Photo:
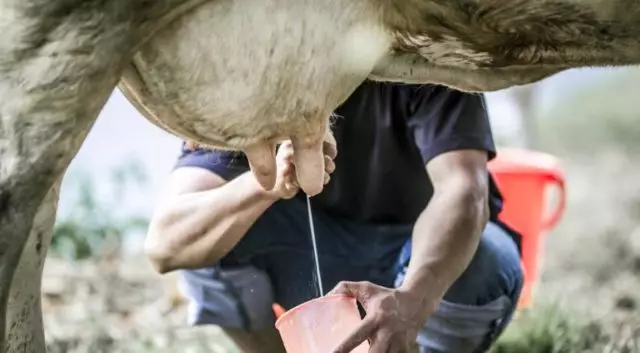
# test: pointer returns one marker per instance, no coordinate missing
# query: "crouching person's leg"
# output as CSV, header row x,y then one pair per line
x,y
238,294
239,300
480,304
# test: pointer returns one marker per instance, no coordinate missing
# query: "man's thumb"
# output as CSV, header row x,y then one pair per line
x,y
352,289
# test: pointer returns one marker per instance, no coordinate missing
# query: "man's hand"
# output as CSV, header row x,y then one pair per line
x,y
287,185
287,178
394,318
191,146
308,158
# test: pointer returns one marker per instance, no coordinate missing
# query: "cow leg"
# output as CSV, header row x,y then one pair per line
x,y
59,61
24,312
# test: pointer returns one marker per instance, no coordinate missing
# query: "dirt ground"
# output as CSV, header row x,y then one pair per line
x,y
120,306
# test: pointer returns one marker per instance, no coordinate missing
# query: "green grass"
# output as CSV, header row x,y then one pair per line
x,y
549,328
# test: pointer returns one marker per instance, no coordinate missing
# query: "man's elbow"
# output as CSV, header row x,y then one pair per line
x,y
476,204
160,259
159,253
481,205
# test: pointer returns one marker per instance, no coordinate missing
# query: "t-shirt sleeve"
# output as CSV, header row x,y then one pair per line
x,y
443,120
226,164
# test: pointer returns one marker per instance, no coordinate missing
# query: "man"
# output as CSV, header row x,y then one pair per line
x,y
410,181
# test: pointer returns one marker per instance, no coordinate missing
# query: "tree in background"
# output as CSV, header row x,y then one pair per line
x,y
94,227
524,97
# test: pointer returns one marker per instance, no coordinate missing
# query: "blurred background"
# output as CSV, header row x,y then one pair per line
x,y
100,294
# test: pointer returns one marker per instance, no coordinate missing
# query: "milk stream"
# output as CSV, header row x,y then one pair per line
x,y
312,229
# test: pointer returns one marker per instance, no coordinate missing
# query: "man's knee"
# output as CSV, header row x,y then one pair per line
x,y
237,298
494,271
481,303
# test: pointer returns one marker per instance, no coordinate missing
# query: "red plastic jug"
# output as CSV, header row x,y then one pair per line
x,y
523,177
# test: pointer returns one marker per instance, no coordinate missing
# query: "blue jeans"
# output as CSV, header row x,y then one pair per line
x,y
274,262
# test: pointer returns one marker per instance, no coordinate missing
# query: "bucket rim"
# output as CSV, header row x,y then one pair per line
x,y
301,306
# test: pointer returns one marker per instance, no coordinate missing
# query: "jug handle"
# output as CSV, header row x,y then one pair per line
x,y
557,178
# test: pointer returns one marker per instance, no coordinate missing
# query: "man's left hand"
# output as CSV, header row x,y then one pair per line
x,y
393,318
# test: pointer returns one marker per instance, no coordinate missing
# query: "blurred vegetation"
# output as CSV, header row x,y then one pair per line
x,y
96,226
595,130
603,116
549,328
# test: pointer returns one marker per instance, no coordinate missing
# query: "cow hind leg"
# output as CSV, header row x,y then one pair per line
x,y
59,62
24,315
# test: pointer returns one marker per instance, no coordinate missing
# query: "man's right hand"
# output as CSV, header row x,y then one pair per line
x,y
287,185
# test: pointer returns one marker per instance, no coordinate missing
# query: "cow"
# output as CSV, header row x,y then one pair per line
x,y
246,75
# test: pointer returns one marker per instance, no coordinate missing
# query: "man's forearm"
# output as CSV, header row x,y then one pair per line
x,y
197,229
445,238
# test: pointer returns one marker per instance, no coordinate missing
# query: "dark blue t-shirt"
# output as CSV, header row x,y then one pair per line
x,y
386,133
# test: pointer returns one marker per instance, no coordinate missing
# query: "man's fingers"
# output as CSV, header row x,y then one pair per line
x,y
309,160
191,146
413,348
330,149
289,158
381,343
330,146
329,165
262,160
352,289
362,333
290,177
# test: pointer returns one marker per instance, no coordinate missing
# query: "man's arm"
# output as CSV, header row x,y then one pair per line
x,y
452,133
447,233
201,218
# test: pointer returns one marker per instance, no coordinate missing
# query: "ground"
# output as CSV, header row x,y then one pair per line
x,y
588,299
120,309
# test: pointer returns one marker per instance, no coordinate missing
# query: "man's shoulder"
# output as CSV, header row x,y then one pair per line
x,y
185,150
222,162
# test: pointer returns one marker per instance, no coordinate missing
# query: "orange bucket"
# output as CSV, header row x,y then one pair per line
x,y
320,325
523,177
